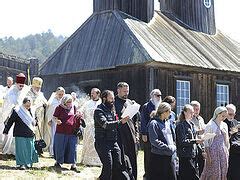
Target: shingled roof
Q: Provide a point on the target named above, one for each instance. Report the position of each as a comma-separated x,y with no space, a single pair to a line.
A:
112,38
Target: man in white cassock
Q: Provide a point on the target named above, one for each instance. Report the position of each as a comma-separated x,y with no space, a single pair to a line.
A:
8,86
39,102
89,154
14,97
50,125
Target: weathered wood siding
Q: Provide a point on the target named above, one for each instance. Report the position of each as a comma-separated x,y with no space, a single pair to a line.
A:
140,9
203,86
192,13
103,79
10,66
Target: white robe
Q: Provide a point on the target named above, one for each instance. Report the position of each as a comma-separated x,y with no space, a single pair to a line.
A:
14,97
49,131
37,107
89,155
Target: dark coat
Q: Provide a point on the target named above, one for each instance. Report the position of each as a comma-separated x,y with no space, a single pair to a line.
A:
20,128
159,143
147,108
105,123
128,134
185,140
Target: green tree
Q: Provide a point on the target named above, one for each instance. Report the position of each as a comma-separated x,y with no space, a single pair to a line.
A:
40,46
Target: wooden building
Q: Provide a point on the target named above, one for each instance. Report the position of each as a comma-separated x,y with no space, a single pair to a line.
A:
12,65
177,51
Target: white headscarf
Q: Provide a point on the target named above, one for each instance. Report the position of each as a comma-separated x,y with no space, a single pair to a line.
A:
65,99
24,114
212,127
217,111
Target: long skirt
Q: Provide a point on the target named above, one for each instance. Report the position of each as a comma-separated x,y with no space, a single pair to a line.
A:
65,148
219,156
188,169
25,151
160,167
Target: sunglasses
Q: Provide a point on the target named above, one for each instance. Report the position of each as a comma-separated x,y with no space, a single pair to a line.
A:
158,95
21,86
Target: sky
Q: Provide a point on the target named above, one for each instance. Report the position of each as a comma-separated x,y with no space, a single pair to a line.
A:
20,18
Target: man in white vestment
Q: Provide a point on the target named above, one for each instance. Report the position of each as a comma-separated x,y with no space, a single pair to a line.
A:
9,85
50,125
38,104
14,97
89,154
3,92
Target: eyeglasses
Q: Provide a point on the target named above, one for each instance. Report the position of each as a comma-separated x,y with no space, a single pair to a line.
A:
231,114
158,95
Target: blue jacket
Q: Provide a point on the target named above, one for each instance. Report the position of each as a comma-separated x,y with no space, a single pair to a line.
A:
158,142
147,108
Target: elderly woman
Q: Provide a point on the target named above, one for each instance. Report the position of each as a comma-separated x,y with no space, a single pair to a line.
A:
186,145
161,137
23,132
217,148
65,139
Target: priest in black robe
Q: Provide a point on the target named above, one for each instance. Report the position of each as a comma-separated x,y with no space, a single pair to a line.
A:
128,134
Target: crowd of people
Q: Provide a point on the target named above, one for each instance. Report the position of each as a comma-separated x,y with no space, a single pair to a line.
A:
175,146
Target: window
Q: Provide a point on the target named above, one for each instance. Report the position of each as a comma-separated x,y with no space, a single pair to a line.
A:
222,95
183,94
207,3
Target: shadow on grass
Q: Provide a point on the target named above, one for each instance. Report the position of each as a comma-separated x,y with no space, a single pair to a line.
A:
6,167
7,157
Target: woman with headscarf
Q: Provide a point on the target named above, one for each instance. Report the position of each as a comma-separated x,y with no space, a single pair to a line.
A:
23,132
65,139
216,165
162,139
187,141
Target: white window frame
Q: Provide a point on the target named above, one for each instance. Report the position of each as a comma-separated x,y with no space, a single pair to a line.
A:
222,94
183,92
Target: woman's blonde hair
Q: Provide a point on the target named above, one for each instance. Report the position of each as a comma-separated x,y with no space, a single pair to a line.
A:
185,109
162,108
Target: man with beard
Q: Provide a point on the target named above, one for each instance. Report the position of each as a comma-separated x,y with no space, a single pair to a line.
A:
147,109
128,135
89,154
106,123
14,97
39,103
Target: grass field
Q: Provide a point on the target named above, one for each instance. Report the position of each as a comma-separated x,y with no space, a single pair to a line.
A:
44,169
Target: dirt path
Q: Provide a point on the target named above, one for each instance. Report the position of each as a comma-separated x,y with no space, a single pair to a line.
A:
44,169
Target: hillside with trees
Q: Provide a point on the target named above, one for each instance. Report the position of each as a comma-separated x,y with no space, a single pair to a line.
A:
40,46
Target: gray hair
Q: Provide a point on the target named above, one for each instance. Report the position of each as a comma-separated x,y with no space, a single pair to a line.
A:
27,99
10,78
195,103
154,91
218,111
231,106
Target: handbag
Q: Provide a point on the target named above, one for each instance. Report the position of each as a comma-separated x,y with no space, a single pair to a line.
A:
39,144
77,131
